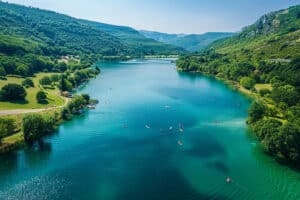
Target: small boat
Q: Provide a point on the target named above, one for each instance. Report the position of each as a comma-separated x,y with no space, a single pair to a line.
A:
181,130
167,107
180,143
228,180
91,107
147,126
171,128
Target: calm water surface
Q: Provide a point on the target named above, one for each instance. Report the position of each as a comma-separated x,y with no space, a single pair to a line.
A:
195,138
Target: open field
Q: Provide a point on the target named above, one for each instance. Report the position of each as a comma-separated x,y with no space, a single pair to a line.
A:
54,99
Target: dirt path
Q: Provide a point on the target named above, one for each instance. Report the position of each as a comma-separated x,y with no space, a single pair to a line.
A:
24,111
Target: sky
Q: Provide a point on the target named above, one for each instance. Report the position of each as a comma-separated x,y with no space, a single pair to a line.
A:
169,16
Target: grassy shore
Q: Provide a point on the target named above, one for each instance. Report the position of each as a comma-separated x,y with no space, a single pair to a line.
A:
54,98
16,140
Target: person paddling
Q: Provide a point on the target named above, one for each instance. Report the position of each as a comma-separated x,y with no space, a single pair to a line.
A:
228,180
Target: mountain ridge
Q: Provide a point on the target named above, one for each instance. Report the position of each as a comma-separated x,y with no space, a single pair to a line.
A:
191,42
74,34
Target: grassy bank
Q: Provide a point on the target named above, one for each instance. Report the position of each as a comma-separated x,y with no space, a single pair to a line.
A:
30,102
16,140
37,128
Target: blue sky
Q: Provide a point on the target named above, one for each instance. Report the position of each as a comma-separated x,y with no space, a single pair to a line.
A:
171,16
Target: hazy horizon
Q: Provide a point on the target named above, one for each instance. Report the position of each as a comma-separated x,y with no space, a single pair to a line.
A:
173,17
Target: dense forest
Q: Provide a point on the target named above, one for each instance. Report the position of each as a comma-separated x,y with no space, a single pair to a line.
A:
263,60
32,40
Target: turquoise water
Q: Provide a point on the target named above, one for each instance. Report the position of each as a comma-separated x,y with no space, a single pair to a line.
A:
195,138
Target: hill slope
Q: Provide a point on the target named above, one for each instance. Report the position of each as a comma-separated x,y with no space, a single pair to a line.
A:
264,61
138,42
68,35
192,42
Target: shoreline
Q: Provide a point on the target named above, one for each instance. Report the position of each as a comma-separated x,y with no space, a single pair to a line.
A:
16,141
253,97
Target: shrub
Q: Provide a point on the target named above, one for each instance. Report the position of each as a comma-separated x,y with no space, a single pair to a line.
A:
55,78
256,111
37,125
247,82
45,81
264,92
41,97
7,127
12,91
285,94
2,71
86,97
27,83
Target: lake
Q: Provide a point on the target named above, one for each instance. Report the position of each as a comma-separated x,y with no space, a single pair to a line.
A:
156,134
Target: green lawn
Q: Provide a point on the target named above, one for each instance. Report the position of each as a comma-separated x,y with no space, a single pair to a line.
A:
54,99
263,86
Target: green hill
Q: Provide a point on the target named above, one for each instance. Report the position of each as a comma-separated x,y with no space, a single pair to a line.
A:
32,40
191,42
60,32
67,35
138,42
263,60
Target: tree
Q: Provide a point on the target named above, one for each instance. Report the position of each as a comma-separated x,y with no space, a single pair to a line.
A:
37,125
98,69
77,103
41,97
7,127
12,91
32,126
247,82
289,143
286,94
264,92
45,81
61,67
64,85
65,113
256,111
55,78
2,71
266,128
27,83
23,70
86,97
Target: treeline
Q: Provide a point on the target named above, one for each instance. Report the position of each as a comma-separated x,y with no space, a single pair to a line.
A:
65,82
37,125
25,58
266,55
52,34
276,118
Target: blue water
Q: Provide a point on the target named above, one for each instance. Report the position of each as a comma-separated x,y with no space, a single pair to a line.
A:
156,134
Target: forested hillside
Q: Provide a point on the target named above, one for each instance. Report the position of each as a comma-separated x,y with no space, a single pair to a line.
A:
264,60
190,42
32,40
140,44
